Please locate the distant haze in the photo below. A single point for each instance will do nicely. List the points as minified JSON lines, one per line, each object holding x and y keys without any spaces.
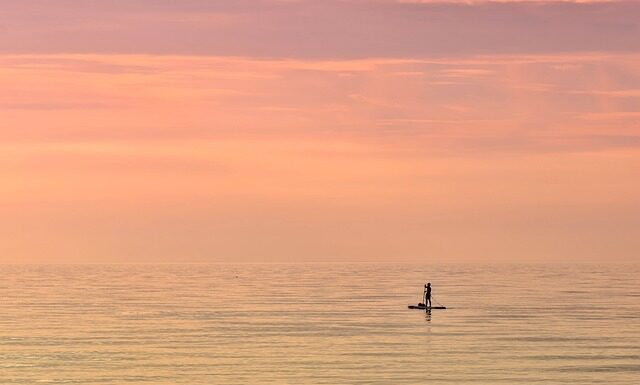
{"x":311,"y":131}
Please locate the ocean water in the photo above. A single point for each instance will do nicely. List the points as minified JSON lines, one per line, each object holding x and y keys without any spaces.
{"x":319,"y":324}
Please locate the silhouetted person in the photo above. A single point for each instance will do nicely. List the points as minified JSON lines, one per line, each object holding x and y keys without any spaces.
{"x":427,"y":295}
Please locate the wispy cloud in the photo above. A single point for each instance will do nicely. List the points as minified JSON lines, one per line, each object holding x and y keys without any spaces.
{"x":485,"y":100}
{"x":622,"y":93}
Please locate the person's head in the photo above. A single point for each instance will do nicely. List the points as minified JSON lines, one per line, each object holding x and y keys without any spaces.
{"x":428,"y":284}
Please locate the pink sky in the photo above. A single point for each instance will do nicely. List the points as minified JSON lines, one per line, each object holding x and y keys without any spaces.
{"x":294,"y":131}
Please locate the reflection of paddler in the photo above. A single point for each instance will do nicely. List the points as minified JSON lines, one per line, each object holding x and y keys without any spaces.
{"x":427,"y":295}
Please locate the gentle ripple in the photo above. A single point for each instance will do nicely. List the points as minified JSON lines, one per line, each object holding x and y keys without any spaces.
{"x":319,"y":324}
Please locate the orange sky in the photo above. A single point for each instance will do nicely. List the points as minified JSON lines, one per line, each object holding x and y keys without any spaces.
{"x":276,"y":131}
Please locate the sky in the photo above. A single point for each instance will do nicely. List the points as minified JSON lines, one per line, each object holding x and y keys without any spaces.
{"x":157,"y":131}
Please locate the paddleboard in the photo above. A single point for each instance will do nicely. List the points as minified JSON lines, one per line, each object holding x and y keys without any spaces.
{"x":425,"y":308}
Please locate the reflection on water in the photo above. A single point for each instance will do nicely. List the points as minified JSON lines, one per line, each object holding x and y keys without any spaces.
{"x":428,"y":315}
{"x":319,"y":324}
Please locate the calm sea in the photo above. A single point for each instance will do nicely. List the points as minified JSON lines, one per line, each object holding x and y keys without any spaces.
{"x":319,"y":324}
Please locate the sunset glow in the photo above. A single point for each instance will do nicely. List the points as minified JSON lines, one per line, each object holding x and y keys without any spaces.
{"x":241,"y":131}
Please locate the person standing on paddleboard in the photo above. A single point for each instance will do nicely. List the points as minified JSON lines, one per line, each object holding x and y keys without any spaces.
{"x":427,"y":295}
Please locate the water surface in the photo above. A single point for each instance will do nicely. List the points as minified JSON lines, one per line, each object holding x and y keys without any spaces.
{"x":319,"y":324}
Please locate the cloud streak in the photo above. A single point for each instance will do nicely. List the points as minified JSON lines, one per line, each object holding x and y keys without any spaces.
{"x":309,"y":29}
{"x":446,"y":104}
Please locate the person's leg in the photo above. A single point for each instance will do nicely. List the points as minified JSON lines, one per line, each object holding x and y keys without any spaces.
{"x":428,"y":302}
